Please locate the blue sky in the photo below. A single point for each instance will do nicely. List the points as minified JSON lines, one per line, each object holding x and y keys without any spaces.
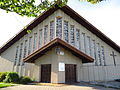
{"x":105,"y":16}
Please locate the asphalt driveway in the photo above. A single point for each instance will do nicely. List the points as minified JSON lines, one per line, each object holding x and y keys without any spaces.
{"x":61,"y":87}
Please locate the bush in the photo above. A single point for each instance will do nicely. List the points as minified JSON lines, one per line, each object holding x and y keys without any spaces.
{"x":11,"y":77}
{"x":2,"y":76}
{"x":25,"y":80}
{"x":118,"y":80}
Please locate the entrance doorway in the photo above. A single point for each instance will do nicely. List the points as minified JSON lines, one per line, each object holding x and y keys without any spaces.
{"x":46,"y":73}
{"x":70,"y":73}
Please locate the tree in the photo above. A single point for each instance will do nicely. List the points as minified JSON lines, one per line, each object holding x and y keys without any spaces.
{"x":30,"y":8}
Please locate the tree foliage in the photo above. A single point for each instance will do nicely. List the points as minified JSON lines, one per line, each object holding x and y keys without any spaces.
{"x":30,"y":8}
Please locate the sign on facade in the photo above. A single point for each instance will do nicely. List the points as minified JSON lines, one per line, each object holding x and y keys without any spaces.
{"x":61,"y":66}
{"x":61,"y":53}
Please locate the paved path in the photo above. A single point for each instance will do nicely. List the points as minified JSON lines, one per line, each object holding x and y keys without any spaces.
{"x":63,"y":87}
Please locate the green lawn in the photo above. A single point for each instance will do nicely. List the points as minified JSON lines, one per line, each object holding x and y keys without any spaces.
{"x":2,"y":85}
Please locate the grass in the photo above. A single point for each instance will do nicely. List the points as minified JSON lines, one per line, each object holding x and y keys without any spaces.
{"x":2,"y":85}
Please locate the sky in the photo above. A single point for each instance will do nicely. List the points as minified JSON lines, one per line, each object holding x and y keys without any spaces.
{"x":105,"y":16}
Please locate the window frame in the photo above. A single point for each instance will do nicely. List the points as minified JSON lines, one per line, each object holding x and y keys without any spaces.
{"x":59,"y":32}
{"x":66,"y":31}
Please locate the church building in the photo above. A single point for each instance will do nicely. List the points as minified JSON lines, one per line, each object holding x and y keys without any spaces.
{"x":62,"y":47}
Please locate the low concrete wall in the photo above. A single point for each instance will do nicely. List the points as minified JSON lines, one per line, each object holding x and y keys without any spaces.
{"x":99,"y":73}
{"x":5,"y":65}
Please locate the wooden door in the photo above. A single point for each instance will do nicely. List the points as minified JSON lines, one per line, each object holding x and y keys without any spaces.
{"x":70,"y":73}
{"x":46,"y":73}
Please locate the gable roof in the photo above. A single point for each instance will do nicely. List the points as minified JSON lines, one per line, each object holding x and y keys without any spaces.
{"x":58,"y":42}
{"x":72,"y":14}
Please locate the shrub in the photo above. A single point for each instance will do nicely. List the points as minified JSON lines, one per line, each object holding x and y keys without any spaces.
{"x":118,"y":80}
{"x":2,"y":76}
{"x":11,"y":77}
{"x":25,"y":80}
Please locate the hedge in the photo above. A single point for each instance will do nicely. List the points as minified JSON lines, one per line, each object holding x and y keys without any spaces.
{"x":13,"y":77}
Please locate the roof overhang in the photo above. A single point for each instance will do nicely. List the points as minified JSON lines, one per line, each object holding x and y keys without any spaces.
{"x":58,"y":42}
{"x":72,"y":14}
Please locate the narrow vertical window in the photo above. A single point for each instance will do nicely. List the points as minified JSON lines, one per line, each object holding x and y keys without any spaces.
{"x":98,"y":54}
{"x":59,"y":28}
{"x":35,"y":42}
{"x":52,"y":30}
{"x":20,"y":54}
{"x":40,"y":38}
{"x":93,"y":50}
{"x":103,"y":55}
{"x":25,"y":49}
{"x":66,"y":35}
{"x":16,"y":55}
{"x":83,"y":42}
{"x":72,"y":41}
{"x":45,"y":34}
{"x":78,"y":38}
{"x":88,"y":46}
{"x":30,"y":45}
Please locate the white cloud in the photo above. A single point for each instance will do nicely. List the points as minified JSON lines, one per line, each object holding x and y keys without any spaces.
{"x":105,"y":16}
{"x":106,"y":20}
{"x":10,"y":24}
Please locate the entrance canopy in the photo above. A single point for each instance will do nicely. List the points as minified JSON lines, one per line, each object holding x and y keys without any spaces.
{"x":58,"y":42}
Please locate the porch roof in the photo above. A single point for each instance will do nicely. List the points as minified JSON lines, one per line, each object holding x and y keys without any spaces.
{"x":58,"y":42}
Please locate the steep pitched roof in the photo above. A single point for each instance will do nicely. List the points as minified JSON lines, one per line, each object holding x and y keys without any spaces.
{"x":73,"y":15}
{"x":58,"y":42}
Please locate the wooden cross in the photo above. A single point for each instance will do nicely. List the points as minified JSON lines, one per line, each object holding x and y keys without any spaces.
{"x":113,"y":55}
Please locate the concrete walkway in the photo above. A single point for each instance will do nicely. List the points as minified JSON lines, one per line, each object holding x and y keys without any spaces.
{"x":60,"y":87}
{"x":113,"y":84}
